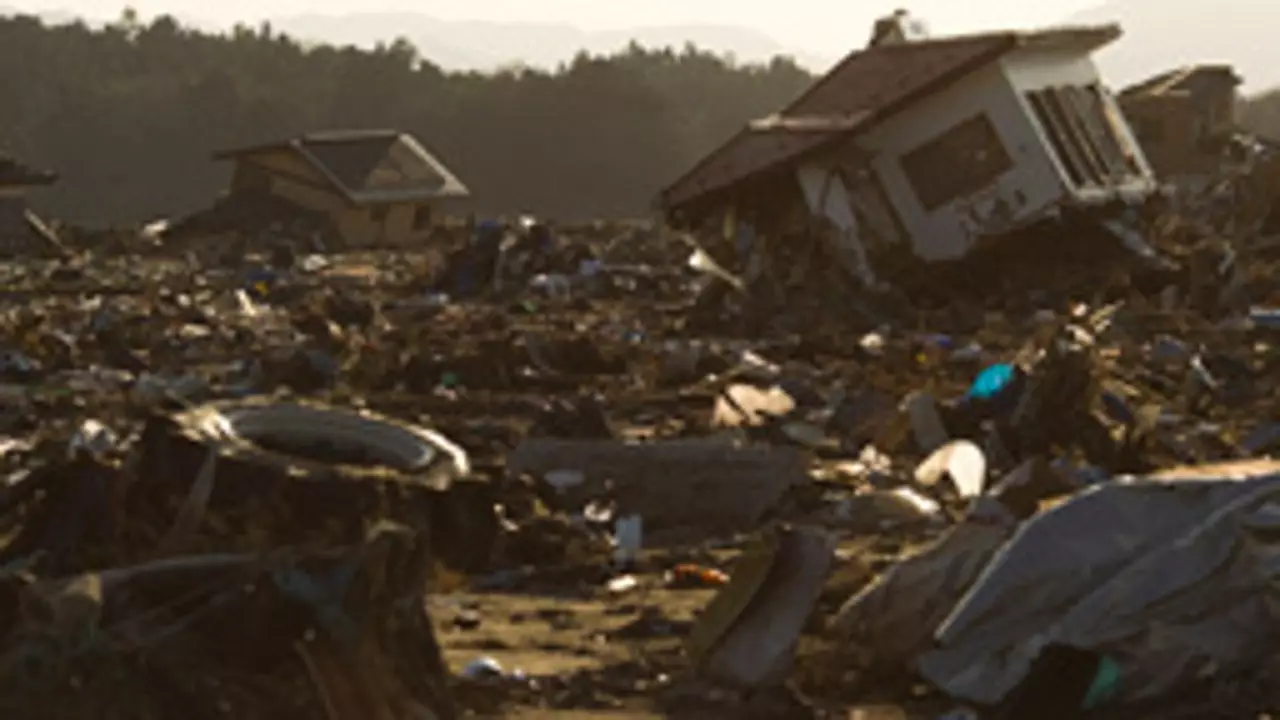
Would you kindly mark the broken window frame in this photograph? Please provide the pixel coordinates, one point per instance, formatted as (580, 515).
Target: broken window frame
(966, 171)
(1083, 134)
(1092, 102)
(1061, 99)
(1068, 156)
(1086, 122)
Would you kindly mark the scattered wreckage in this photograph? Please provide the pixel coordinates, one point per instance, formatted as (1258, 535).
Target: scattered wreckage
(902, 506)
(289, 540)
(547, 469)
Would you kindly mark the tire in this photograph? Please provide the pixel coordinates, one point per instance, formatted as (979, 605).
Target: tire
(257, 475)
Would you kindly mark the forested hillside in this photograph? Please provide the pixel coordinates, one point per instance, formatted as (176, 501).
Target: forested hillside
(130, 114)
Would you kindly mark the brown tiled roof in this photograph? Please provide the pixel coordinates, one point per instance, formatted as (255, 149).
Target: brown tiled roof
(370, 166)
(863, 89)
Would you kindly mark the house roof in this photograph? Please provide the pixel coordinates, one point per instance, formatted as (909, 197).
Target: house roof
(1174, 80)
(369, 166)
(866, 87)
(13, 172)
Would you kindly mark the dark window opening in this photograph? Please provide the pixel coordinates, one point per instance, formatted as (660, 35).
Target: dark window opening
(958, 163)
(422, 217)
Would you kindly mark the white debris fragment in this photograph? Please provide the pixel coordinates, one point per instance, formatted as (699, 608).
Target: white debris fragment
(93, 438)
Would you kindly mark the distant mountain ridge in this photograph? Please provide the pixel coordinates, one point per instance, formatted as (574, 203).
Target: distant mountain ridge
(487, 45)
(1159, 35)
(482, 45)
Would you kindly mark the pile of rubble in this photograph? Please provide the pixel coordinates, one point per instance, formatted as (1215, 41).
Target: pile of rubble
(585, 470)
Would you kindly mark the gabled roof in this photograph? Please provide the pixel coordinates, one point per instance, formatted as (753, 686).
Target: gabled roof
(13, 172)
(1174, 80)
(369, 166)
(866, 87)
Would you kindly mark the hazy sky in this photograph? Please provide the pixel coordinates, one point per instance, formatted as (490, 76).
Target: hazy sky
(817, 26)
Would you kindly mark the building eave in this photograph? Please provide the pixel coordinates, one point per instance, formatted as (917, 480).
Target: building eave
(452, 187)
(820, 140)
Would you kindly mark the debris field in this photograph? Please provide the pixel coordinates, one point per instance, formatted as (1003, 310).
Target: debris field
(600, 485)
(365, 461)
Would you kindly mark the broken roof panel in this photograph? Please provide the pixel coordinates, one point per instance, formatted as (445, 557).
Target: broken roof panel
(863, 89)
(370, 166)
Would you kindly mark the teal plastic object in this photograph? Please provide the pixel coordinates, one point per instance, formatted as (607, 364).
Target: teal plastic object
(1106, 683)
(992, 381)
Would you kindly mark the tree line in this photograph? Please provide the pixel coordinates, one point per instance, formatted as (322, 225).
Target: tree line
(129, 114)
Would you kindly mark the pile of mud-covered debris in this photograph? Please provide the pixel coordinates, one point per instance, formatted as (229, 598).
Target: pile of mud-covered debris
(590, 472)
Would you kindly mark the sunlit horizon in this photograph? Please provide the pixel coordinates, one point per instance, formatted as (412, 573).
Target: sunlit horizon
(820, 27)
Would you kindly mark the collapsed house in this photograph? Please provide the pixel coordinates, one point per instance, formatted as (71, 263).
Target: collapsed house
(22, 232)
(1185, 119)
(928, 145)
(352, 188)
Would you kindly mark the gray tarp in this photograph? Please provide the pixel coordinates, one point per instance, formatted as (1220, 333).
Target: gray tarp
(894, 618)
(1171, 578)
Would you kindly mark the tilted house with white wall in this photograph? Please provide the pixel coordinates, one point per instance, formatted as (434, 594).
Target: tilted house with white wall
(932, 143)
